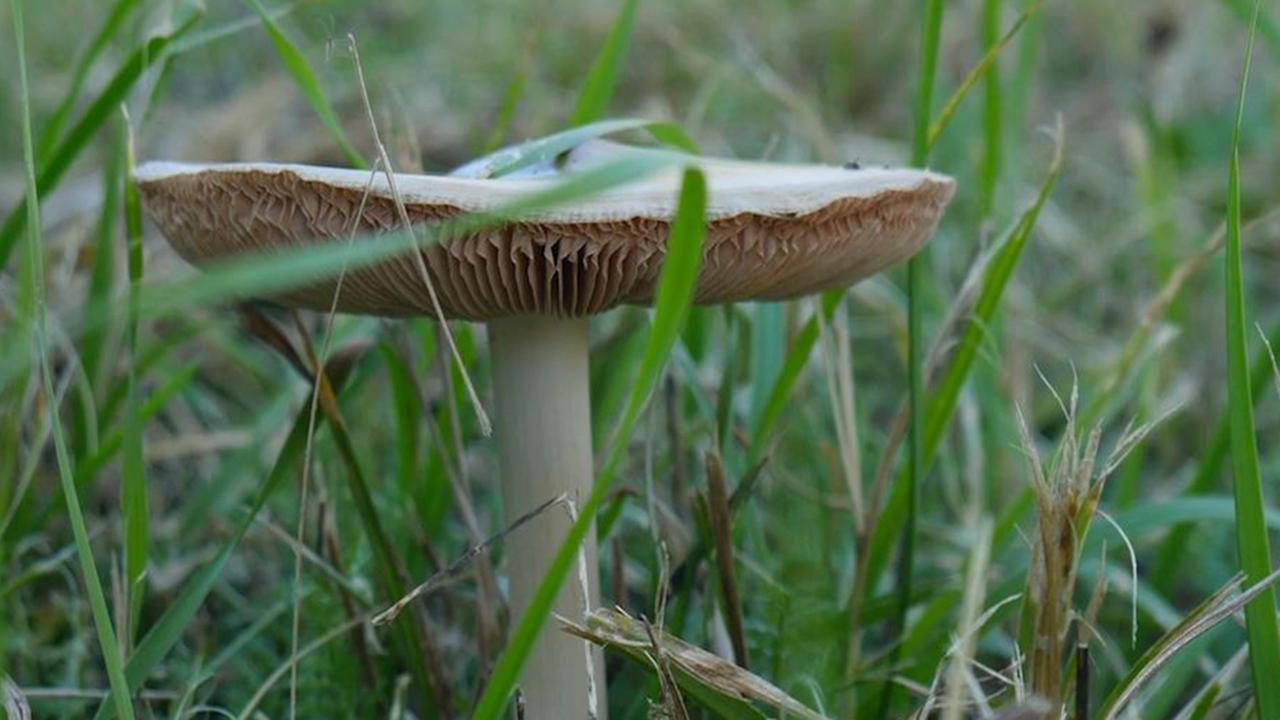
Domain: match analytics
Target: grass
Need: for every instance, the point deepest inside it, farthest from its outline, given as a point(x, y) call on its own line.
point(1253, 545)
point(51, 169)
point(305, 80)
point(34, 282)
point(752, 498)
point(930, 39)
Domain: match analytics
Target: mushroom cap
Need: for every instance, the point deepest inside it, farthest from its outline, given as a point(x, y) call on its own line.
point(774, 231)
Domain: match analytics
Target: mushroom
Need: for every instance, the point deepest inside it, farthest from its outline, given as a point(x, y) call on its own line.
point(774, 232)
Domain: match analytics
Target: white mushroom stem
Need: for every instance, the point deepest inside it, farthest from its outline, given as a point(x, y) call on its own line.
point(542, 417)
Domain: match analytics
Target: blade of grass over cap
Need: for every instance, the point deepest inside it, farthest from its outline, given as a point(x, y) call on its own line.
point(107, 640)
point(597, 90)
point(305, 79)
point(544, 150)
point(671, 308)
point(1251, 533)
point(50, 170)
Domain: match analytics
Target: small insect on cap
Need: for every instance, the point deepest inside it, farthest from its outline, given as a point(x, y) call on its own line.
point(774, 231)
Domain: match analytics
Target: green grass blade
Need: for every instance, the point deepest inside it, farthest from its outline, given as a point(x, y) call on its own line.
point(107, 641)
point(792, 366)
point(107, 103)
point(114, 441)
point(110, 27)
point(1212, 611)
point(411, 637)
point(507, 108)
point(544, 151)
point(765, 359)
point(101, 281)
point(133, 481)
point(1266, 25)
point(802, 347)
point(209, 35)
point(986, 68)
point(671, 308)
point(731, 371)
point(942, 403)
point(597, 90)
point(1146, 519)
point(147, 359)
point(1018, 92)
point(101, 272)
point(408, 416)
point(673, 136)
point(992, 113)
point(1209, 468)
point(930, 39)
point(305, 80)
point(1251, 532)
point(169, 628)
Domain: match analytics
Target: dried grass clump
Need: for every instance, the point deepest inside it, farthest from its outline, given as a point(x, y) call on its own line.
point(1067, 492)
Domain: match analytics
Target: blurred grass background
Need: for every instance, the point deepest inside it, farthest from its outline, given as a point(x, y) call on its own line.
point(1146, 92)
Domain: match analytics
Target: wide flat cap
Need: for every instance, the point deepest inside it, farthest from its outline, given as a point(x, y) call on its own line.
point(774, 231)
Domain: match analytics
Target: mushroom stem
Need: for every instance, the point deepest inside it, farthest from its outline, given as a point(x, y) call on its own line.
point(543, 422)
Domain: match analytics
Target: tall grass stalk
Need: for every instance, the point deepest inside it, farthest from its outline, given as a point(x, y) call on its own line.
point(107, 640)
point(133, 483)
point(930, 40)
point(1251, 531)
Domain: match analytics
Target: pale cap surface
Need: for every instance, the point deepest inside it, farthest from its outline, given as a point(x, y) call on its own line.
point(774, 231)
